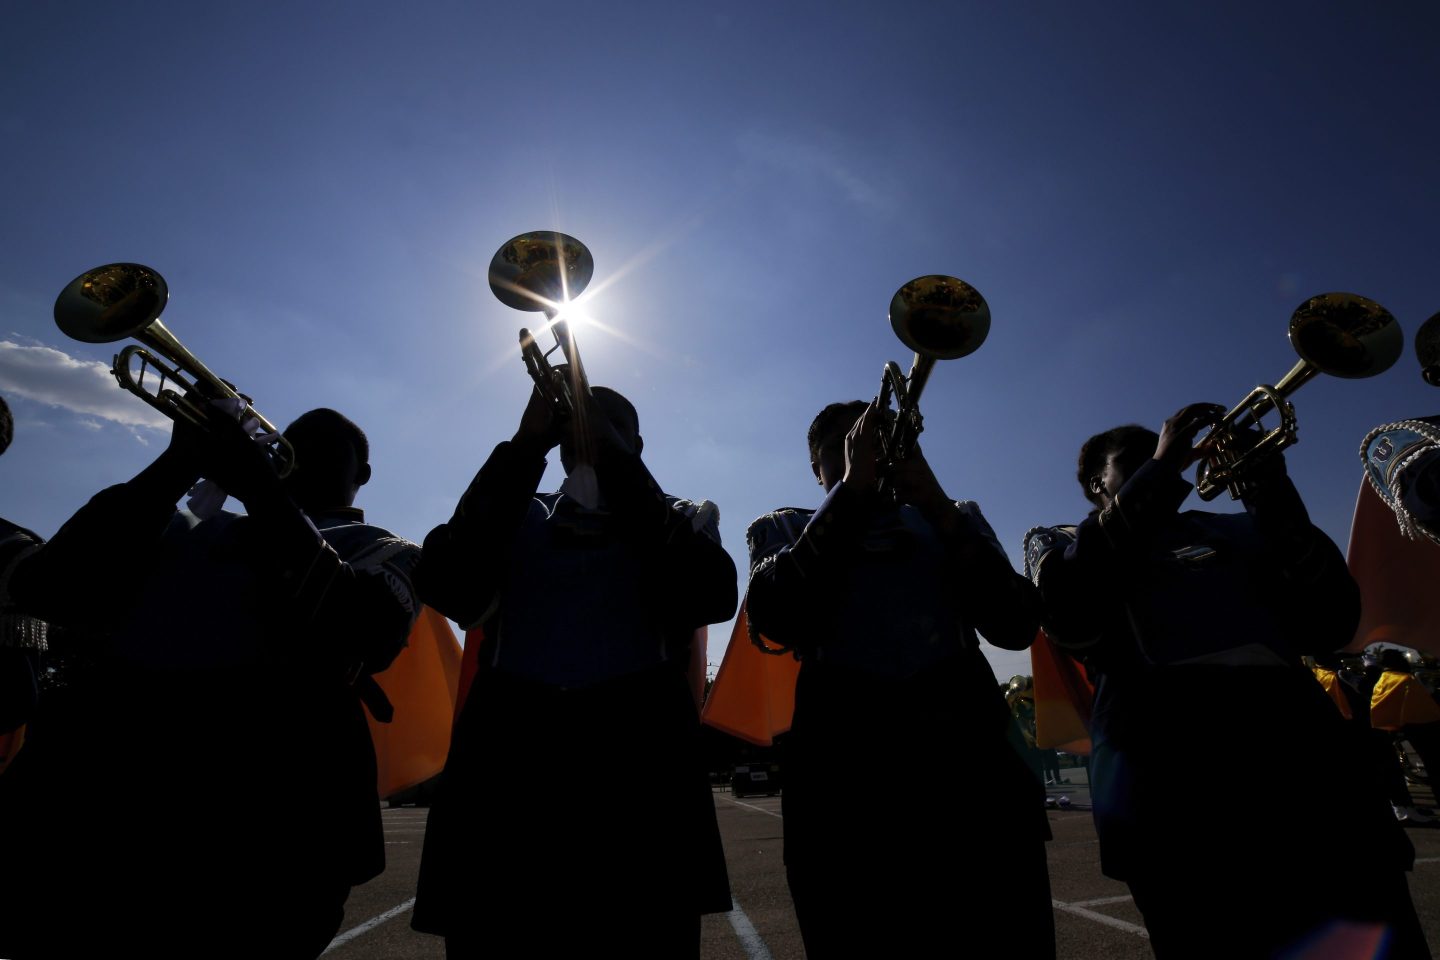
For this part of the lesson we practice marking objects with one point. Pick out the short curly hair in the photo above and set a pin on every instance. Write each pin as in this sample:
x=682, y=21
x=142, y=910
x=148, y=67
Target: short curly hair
x=835, y=419
x=1095, y=451
x=329, y=427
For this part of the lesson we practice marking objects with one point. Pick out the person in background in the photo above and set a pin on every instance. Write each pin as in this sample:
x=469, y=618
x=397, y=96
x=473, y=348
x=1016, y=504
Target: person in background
x=22, y=637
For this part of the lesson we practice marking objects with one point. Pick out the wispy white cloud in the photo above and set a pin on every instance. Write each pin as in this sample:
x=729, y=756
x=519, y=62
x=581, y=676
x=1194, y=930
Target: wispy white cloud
x=811, y=161
x=84, y=387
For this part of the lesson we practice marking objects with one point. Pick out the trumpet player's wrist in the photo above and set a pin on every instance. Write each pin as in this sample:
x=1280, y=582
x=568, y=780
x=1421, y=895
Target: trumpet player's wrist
x=169, y=477
x=528, y=444
x=505, y=483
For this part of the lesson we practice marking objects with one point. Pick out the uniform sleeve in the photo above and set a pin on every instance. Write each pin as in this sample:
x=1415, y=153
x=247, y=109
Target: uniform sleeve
x=1080, y=580
x=694, y=568
x=792, y=574
x=1311, y=575
x=1003, y=605
x=87, y=574
x=372, y=605
x=461, y=567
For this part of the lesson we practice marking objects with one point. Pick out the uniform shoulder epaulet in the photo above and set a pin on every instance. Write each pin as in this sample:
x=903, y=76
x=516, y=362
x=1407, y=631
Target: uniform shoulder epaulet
x=776, y=529
x=16, y=544
x=1040, y=542
x=1389, y=452
x=704, y=515
x=765, y=537
x=374, y=550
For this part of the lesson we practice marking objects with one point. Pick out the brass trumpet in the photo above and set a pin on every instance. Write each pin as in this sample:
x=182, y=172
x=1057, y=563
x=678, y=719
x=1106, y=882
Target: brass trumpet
x=122, y=300
x=544, y=271
x=940, y=318
x=1342, y=334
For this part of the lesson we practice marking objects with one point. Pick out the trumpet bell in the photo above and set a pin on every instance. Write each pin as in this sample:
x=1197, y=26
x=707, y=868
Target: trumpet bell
x=121, y=300
x=939, y=317
x=1346, y=335
x=1342, y=334
x=540, y=270
x=111, y=303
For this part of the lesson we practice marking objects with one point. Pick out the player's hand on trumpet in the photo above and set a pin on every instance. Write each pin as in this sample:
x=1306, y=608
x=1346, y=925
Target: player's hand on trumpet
x=1177, y=448
x=540, y=430
x=222, y=450
x=862, y=450
x=916, y=484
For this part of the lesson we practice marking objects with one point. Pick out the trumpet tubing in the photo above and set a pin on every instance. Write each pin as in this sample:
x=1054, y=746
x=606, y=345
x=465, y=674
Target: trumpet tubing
x=121, y=300
x=940, y=318
x=1341, y=334
x=543, y=271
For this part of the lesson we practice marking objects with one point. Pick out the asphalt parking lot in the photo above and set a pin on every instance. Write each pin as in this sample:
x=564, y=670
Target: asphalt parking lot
x=1094, y=917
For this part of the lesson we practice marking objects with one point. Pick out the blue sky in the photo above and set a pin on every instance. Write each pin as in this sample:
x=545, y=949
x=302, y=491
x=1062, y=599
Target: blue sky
x=1142, y=192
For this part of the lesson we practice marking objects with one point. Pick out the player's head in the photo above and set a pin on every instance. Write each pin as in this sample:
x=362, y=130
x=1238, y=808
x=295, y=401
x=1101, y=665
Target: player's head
x=332, y=460
x=1108, y=459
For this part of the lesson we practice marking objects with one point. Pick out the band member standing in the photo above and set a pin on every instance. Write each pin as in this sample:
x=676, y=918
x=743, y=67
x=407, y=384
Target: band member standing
x=21, y=637
x=237, y=651
x=881, y=601
x=537, y=845
x=1192, y=627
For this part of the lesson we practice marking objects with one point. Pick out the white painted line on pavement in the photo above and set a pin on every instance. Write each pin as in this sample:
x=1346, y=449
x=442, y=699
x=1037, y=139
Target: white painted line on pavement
x=1077, y=908
x=1136, y=929
x=751, y=806
x=745, y=932
x=1099, y=901
x=368, y=925
x=1427, y=860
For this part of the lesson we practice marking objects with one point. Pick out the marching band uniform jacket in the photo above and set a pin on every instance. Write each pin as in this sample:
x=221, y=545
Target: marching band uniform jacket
x=1191, y=627
x=893, y=691
x=235, y=654
x=587, y=617
x=22, y=637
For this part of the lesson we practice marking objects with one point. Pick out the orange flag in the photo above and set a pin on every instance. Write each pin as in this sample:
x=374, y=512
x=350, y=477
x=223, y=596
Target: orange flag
x=422, y=685
x=1397, y=578
x=1063, y=697
x=753, y=696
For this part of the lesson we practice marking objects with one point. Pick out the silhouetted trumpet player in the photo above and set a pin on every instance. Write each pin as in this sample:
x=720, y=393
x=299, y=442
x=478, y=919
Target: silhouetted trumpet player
x=882, y=595
x=588, y=600
x=1191, y=626
x=235, y=654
